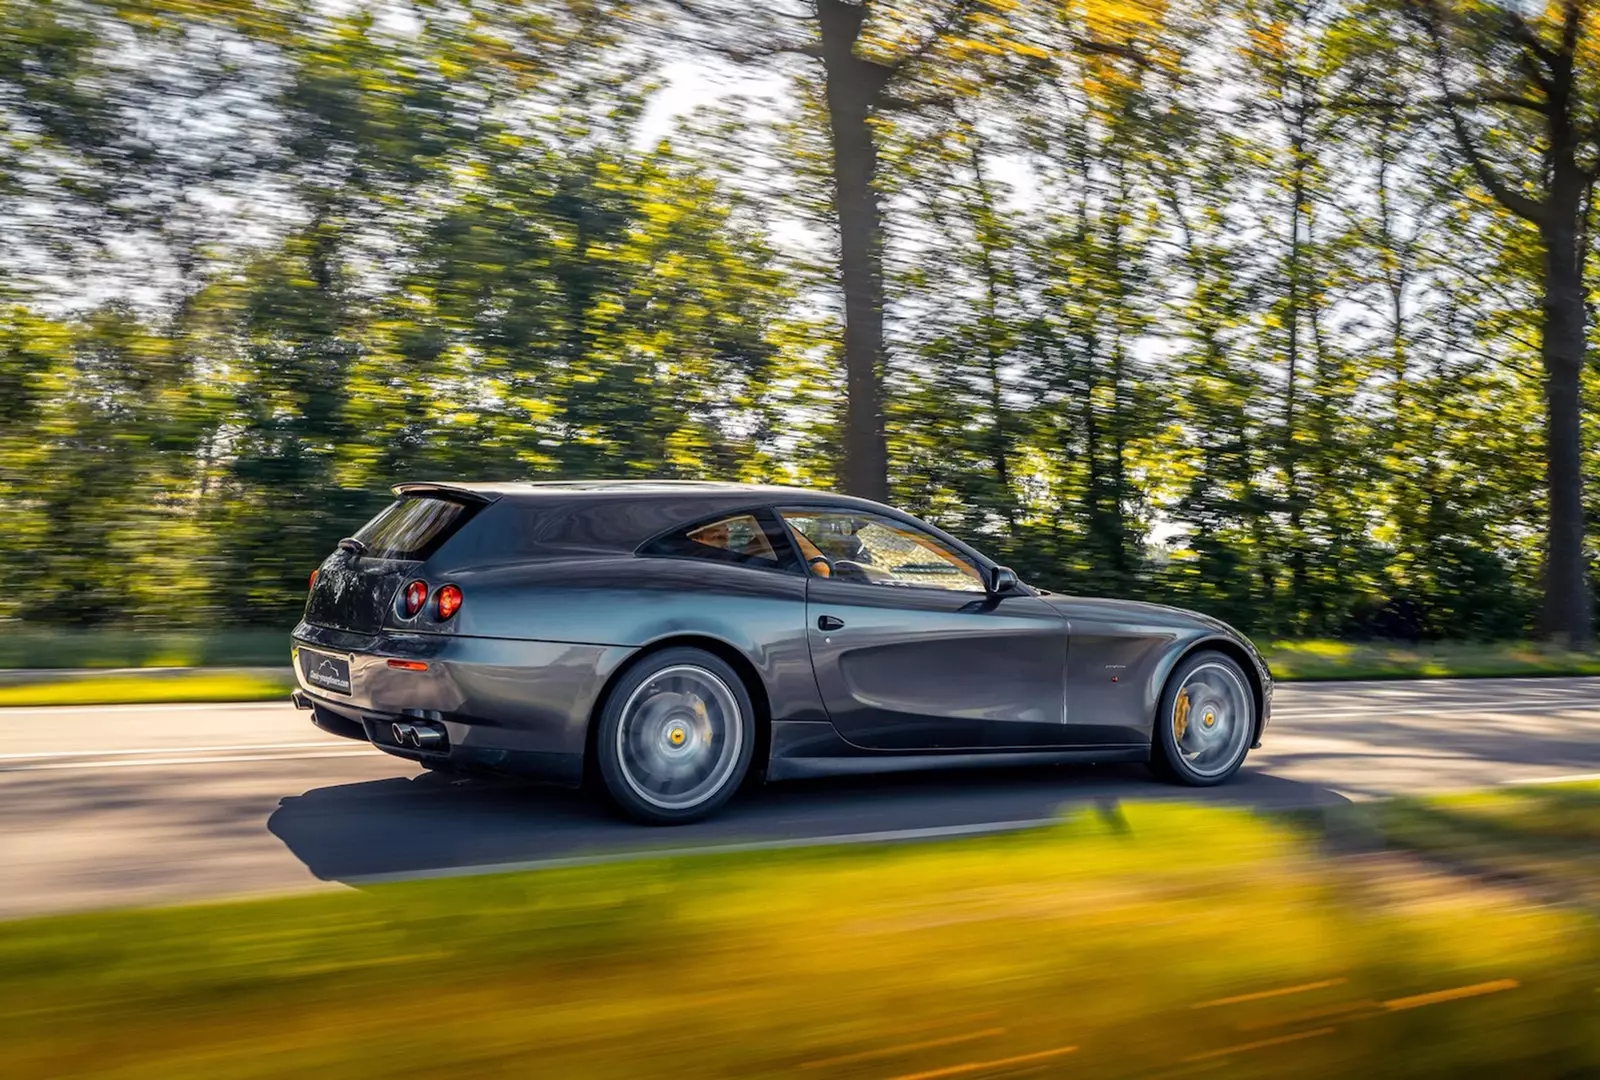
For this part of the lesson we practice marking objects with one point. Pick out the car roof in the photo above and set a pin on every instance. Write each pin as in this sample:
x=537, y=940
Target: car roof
x=616, y=515
x=718, y=491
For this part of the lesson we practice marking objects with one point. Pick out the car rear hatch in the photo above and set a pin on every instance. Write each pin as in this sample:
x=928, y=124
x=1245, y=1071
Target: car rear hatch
x=357, y=586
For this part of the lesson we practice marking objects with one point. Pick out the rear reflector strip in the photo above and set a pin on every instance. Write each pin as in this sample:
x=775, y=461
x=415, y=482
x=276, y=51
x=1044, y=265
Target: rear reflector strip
x=408, y=665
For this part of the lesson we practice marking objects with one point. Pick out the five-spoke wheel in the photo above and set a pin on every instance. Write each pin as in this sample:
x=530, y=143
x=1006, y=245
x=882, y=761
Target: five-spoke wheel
x=1206, y=721
x=675, y=736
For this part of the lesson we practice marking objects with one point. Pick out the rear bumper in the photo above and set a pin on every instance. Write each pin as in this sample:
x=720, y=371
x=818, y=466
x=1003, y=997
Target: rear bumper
x=513, y=706
x=328, y=720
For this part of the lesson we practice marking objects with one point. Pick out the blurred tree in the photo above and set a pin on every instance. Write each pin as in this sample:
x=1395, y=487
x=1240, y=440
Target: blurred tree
x=1202, y=302
x=874, y=58
x=1216, y=451
x=1511, y=80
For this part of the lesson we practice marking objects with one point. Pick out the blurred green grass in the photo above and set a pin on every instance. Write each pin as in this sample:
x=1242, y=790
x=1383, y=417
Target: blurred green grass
x=162, y=686
x=1123, y=938
x=24, y=646
x=1293, y=661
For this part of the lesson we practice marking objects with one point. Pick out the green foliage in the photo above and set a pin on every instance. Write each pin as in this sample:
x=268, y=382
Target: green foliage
x=470, y=271
x=40, y=648
x=1279, y=362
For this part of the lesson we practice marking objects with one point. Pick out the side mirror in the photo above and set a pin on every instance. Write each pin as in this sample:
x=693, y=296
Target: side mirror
x=1003, y=581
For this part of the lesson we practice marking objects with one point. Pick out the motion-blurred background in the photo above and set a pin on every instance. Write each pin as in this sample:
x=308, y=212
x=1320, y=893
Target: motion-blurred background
x=1272, y=308
x=1275, y=309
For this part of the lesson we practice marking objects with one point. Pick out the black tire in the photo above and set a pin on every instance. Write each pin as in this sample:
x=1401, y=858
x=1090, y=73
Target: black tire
x=681, y=716
x=1219, y=693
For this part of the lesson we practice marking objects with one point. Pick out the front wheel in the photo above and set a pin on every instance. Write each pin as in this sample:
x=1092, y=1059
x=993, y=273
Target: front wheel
x=1205, y=722
x=676, y=736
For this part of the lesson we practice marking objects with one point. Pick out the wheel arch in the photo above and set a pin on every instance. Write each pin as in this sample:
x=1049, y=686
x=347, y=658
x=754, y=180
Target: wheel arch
x=722, y=650
x=1233, y=651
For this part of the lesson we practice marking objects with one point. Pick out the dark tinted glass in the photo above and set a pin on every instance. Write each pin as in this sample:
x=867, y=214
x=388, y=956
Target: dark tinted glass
x=414, y=527
x=739, y=538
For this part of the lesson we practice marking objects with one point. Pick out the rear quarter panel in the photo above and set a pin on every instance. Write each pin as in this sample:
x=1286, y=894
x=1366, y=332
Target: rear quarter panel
x=632, y=602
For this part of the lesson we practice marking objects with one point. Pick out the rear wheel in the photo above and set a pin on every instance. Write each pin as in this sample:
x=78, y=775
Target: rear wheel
x=676, y=736
x=1205, y=723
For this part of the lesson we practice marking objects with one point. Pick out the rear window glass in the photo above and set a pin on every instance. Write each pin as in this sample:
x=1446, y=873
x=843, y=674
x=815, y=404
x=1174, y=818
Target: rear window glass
x=414, y=527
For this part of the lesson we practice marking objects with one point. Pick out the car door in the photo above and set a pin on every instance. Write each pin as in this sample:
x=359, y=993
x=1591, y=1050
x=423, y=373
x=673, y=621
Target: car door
x=909, y=649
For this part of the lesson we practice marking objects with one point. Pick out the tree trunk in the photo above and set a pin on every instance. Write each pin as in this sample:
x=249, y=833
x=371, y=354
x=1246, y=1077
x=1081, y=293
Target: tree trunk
x=1094, y=484
x=999, y=438
x=1119, y=460
x=1568, y=615
x=1291, y=447
x=1553, y=68
x=853, y=86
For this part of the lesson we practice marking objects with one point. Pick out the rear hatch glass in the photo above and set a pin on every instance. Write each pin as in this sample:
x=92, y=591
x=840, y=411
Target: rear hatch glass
x=355, y=590
x=414, y=527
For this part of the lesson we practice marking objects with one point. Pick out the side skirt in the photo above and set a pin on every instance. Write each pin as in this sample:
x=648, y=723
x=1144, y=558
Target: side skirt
x=806, y=749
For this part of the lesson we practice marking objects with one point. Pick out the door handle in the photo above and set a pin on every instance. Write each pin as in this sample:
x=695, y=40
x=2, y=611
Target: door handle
x=829, y=622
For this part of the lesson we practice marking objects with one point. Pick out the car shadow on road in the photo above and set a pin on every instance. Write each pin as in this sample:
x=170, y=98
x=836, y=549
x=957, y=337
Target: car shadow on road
x=430, y=823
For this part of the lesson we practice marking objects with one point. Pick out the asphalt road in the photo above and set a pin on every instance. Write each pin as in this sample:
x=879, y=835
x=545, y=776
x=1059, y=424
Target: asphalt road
x=122, y=805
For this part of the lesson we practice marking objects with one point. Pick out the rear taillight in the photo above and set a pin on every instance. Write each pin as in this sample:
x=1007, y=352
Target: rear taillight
x=449, y=601
x=313, y=584
x=416, y=595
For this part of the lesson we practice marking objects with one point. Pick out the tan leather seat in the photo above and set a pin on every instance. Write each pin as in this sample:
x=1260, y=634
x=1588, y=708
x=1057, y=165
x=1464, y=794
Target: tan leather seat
x=810, y=551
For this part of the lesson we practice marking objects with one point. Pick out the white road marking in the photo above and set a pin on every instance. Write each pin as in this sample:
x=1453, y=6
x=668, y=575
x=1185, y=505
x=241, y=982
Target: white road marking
x=1553, y=709
x=881, y=836
x=148, y=763
x=12, y=711
x=229, y=747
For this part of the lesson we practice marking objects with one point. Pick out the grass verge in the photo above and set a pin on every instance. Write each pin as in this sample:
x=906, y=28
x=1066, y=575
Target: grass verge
x=24, y=646
x=1159, y=941
x=1544, y=837
x=136, y=687
x=1293, y=661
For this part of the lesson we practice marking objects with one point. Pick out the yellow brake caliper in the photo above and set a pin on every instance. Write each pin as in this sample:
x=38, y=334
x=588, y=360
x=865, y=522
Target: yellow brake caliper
x=1180, y=715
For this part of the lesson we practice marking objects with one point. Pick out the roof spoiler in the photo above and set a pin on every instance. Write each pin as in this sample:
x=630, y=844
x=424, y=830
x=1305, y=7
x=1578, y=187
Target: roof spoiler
x=455, y=491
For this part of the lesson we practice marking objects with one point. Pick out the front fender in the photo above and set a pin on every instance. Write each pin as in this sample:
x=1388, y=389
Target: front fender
x=1241, y=650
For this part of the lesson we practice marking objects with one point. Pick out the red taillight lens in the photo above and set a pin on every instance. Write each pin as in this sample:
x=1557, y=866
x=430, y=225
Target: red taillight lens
x=449, y=601
x=313, y=584
x=416, y=596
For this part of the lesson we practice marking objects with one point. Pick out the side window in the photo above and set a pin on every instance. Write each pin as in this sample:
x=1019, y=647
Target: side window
x=739, y=538
x=873, y=550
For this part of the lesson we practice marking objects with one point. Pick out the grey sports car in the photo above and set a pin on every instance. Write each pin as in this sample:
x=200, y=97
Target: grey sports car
x=671, y=640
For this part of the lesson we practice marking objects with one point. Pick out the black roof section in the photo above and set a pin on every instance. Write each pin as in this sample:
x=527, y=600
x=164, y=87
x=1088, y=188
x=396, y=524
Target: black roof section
x=619, y=515
x=547, y=489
